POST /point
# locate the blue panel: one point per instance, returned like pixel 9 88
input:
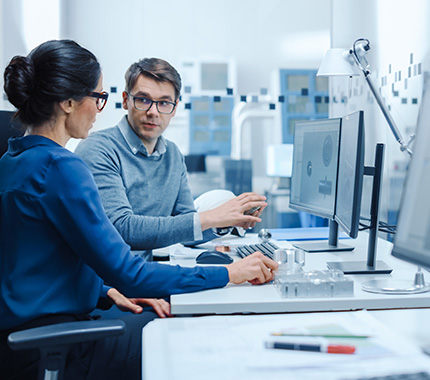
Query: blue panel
pixel 290 101
pixel 210 125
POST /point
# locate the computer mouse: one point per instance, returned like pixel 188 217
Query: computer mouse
pixel 213 257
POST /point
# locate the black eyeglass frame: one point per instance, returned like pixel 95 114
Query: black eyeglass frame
pixel 100 95
pixel 134 97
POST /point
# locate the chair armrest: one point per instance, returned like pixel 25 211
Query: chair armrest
pixel 65 333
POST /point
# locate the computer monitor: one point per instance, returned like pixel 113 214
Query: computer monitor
pixel 315 163
pixel 315 175
pixel 350 173
pixel 412 239
pixel 9 127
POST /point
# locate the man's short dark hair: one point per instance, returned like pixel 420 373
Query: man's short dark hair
pixel 156 69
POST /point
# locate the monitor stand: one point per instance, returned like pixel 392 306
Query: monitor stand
pixel 325 246
pixel 371 266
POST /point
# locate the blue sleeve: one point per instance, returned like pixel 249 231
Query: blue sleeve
pixel 139 231
pixel 104 290
pixel 73 206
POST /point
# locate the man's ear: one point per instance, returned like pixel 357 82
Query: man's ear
pixel 124 100
pixel 67 106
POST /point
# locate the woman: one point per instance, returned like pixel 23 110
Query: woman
pixel 57 246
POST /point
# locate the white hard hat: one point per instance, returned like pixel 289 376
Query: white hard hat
pixel 211 199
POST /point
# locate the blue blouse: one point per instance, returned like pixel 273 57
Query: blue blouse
pixel 56 243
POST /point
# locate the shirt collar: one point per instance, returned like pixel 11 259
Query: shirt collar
pixel 19 144
pixel 136 145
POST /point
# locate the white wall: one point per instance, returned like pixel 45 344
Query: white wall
pixel 396 29
pixel 261 36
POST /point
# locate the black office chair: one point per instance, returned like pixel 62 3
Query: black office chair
pixel 9 127
pixel 54 341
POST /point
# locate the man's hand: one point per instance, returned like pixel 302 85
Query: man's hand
pixel 232 212
pixel 161 307
pixel 255 268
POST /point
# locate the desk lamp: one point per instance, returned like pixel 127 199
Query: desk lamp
pixel 341 62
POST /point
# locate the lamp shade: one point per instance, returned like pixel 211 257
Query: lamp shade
pixel 337 62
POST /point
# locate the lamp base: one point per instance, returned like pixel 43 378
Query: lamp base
pixel 398 286
pixel 394 287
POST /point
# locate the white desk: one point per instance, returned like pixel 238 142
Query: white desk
pixel 231 347
pixel 266 299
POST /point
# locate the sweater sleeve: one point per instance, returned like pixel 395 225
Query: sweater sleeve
pixel 139 231
pixel 74 207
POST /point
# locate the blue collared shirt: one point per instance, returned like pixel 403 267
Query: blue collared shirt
pixel 56 243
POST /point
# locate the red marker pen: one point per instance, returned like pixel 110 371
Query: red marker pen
pixel 328 348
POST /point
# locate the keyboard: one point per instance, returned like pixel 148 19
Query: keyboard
pixel 267 248
pixel 399 376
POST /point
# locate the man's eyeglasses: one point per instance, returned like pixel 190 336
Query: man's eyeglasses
pixel 144 104
pixel 101 97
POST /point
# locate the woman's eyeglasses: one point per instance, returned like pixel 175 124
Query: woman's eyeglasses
pixel 101 97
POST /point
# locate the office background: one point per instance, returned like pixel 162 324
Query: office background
pixel 260 41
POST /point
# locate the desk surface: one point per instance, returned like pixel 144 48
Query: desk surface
pixel 232 347
pixel 248 298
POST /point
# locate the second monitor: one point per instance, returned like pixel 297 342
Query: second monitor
pixel 327 180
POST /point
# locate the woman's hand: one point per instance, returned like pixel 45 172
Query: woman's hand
pixel 161 307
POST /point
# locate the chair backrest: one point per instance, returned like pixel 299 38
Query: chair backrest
pixel 9 127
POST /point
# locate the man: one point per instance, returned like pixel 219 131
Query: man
pixel 141 176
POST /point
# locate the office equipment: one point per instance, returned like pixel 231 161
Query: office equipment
pixel 329 348
pixel 315 284
pixel 412 242
pixel 54 340
pixel 328 179
pixel 9 127
pixel 213 257
pixel 266 248
pixel 349 190
pixel 339 62
pixel 315 175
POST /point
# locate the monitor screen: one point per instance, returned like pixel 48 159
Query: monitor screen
pixel 412 240
pixel 315 160
pixel 8 128
pixel 350 174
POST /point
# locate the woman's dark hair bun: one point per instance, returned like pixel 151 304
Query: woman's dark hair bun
pixel 19 81
pixel 54 71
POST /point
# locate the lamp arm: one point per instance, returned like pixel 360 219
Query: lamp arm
pixel 403 146
pixel 363 66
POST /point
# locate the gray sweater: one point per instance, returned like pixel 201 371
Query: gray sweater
pixel 146 197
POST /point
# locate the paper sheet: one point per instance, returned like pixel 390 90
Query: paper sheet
pixel 199 347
